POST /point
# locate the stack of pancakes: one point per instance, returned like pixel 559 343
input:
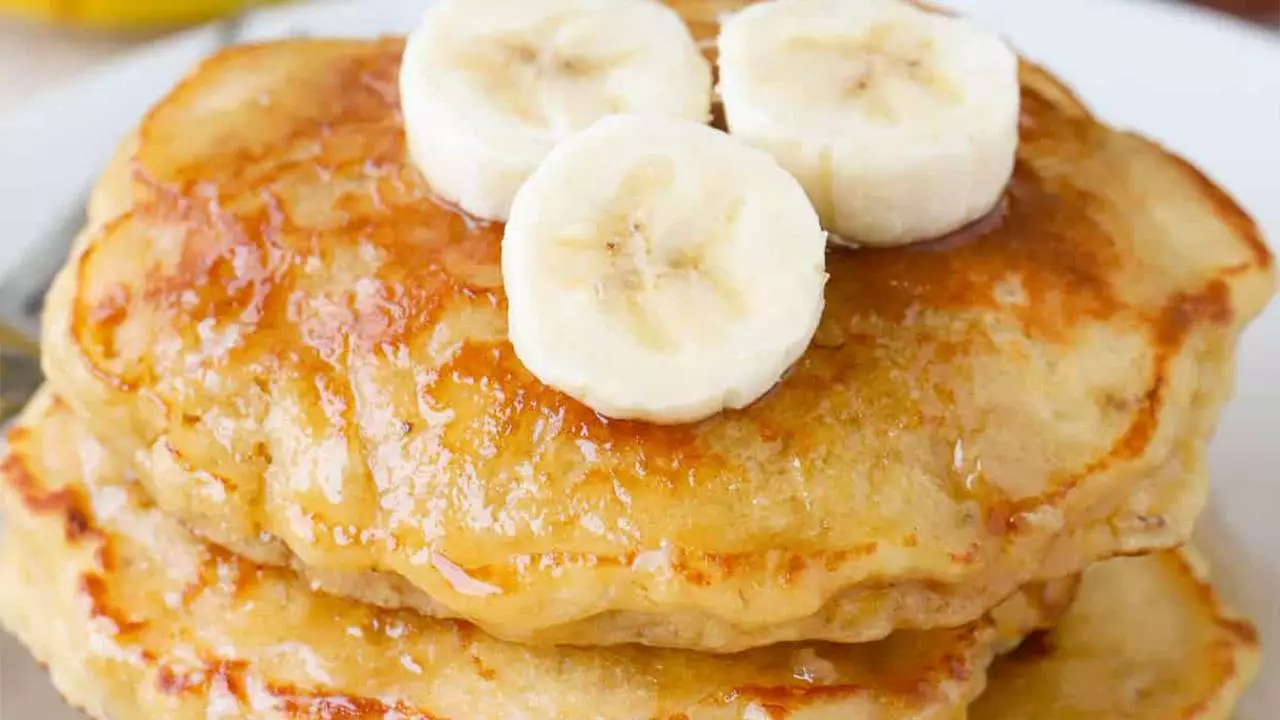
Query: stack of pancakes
pixel 288 465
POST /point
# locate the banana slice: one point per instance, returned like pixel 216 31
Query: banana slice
pixel 488 87
pixel 901 124
pixel 659 269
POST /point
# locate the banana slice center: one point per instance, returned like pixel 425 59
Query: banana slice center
pixel 545 76
pixel 900 123
pixel 656 262
pixel 891 73
pixel 658 269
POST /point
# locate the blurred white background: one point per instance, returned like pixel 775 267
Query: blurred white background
pixel 34 55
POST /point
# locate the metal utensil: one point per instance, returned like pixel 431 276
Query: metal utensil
pixel 22 293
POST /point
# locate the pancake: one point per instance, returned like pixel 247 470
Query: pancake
pixel 1146 639
pixel 306 357
pixel 138 619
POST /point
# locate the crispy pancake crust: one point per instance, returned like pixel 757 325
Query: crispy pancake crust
pixel 138 619
pixel 1146 639
pixel 306 355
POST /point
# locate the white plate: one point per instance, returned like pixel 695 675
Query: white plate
pixel 1204 85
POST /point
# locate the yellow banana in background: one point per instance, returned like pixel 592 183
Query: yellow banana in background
pixel 124 13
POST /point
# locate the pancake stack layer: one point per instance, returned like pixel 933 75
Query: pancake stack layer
pixel 288 465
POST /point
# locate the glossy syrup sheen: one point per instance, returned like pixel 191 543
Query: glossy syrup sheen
pixel 140 619
pixel 176 628
pixel 308 351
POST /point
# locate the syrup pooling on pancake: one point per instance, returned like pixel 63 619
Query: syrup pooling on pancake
pixel 1068 348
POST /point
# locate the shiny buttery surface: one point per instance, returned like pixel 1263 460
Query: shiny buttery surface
pixel 138 619
pixel 307 352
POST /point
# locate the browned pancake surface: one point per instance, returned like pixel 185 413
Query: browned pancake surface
pixel 138 619
pixel 307 356
pixel 1146 639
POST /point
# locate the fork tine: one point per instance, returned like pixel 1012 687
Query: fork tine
pixel 20 378
pixel 22 291
pixel 22 294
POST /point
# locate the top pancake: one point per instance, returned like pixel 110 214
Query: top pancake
pixel 307 355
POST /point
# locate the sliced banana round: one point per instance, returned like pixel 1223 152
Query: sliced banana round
pixel 488 87
pixel 902 124
pixel 659 269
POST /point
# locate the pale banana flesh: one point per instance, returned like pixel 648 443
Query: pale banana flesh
pixel 658 269
pixel 489 87
pixel 901 124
